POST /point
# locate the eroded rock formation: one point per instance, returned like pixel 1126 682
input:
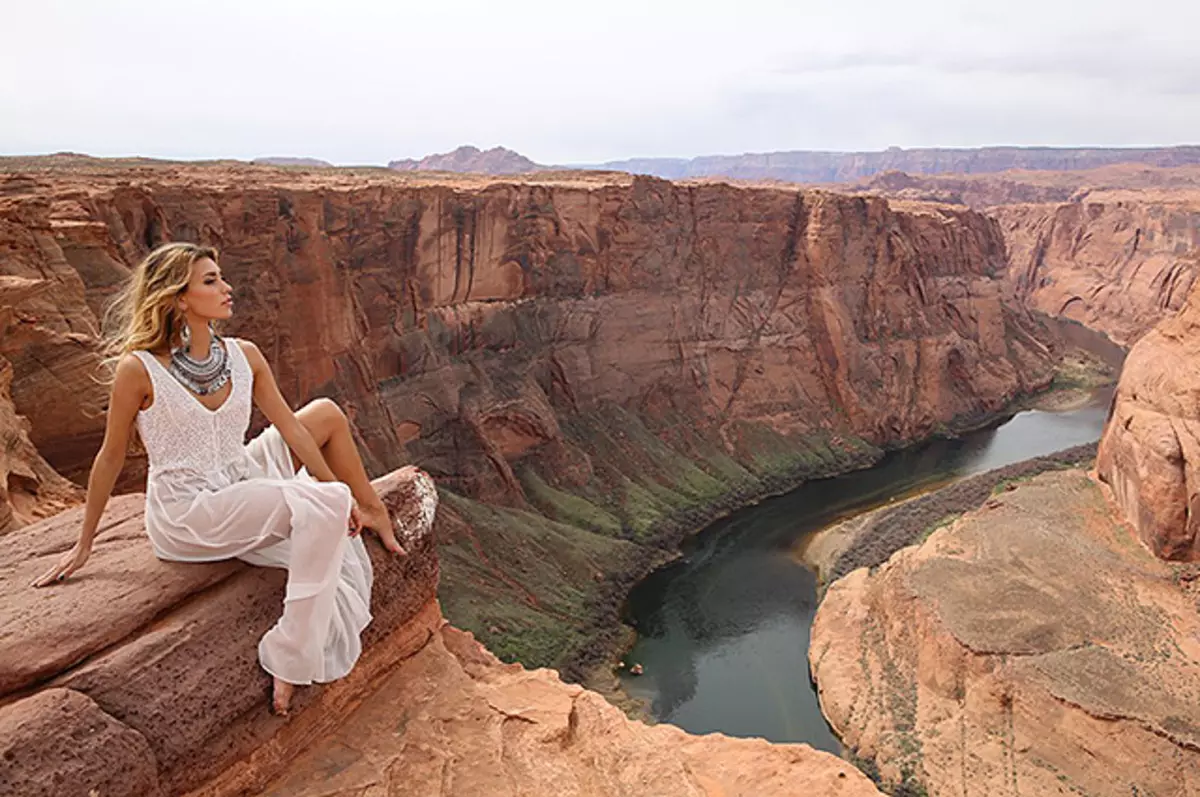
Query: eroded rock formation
pixel 139 677
pixel 1150 453
pixel 1030 647
pixel 623 356
pixel 1116 249
pixel 1116 261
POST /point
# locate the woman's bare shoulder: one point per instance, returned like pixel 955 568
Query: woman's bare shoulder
pixel 130 366
pixel 252 352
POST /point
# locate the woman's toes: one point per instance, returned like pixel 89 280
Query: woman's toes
pixel 281 700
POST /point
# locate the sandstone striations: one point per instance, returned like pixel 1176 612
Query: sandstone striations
pixel 139 677
pixel 1117 261
pixel 1116 248
pixel 590 366
pixel 1031 647
pixel 1150 453
pixel 29 487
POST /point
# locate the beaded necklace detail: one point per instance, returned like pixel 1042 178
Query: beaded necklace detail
pixel 205 376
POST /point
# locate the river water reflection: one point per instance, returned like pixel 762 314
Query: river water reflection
pixel 723 633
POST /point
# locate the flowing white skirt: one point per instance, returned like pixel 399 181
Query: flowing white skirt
pixel 262 511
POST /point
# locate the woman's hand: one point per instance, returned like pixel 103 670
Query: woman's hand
pixel 355 519
pixel 71 561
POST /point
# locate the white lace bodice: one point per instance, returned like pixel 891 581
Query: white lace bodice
pixel 186 440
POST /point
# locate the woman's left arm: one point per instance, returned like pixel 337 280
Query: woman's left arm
pixel 268 399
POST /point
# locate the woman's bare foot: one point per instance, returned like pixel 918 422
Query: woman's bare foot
pixel 377 519
pixel 281 699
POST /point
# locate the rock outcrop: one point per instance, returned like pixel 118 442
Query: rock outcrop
pixel 1030 647
pixel 29 488
pixel 591 364
pixel 1150 453
pixel 1118 261
pixel 468 725
pixel 139 677
pixel 154 664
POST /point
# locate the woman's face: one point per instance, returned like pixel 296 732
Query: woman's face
pixel 208 296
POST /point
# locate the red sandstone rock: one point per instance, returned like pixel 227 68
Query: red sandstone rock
pixel 1116 261
pixel 29 487
pixel 169 650
pixel 454 721
pixel 459 321
pixel 58 743
pixel 1031 647
pixel 1150 452
pixel 1115 248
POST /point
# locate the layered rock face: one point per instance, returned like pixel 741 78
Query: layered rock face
pixel 139 678
pixel 1116 261
pixel 530 301
pixel 624 357
pixel 1116 249
pixel 1150 453
pixel 29 488
pixel 1030 647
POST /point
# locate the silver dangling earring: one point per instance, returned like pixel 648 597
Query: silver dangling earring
pixel 185 335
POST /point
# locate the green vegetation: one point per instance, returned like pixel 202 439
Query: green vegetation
pixel 543 584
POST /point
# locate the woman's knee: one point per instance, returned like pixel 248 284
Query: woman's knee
pixel 323 417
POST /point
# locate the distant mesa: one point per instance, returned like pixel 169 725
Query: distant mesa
pixel 496 160
pixel 808 166
pixel 285 160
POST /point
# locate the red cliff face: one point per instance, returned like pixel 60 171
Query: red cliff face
pixel 1150 452
pixel 1116 249
pixel 1116 261
pixel 487 312
pixel 627 357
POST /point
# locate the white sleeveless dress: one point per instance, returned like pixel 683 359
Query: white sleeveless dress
pixel 211 496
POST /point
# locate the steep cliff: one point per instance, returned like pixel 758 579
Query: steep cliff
pixel 1116 248
pixel 1150 453
pixel 1116 260
pixel 589 366
pixel 138 678
pixel 1030 647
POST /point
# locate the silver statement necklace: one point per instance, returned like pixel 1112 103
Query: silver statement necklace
pixel 200 376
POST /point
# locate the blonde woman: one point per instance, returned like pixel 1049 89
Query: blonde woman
pixel 209 495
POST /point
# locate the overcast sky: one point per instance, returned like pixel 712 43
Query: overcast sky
pixel 354 81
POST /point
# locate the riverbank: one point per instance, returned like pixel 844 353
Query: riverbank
pixel 870 539
pixel 551 589
pixel 739 602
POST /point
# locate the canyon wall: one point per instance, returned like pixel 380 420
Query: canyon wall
pixel 1117 261
pixel 1150 452
pixel 1030 646
pixel 1116 249
pixel 587 366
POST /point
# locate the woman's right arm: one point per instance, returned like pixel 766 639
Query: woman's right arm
pixel 130 388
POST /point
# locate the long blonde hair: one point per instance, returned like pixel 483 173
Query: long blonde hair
pixel 144 314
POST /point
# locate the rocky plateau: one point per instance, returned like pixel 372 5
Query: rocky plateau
pixel 1040 644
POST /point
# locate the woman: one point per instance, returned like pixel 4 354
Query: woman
pixel 209 495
